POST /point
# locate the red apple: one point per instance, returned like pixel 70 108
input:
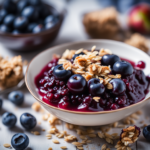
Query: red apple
pixel 139 18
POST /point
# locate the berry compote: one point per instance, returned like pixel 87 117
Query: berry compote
pixel 67 90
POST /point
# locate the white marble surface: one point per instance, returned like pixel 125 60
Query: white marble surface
pixel 72 30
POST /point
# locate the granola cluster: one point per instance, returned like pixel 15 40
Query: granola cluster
pixel 102 24
pixel 128 136
pixel 11 71
pixel 89 65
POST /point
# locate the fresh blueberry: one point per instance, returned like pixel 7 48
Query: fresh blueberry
pixel 4 29
pixel 43 10
pixel 31 13
pixel 20 23
pixel 60 73
pixel 146 132
pixel 95 87
pixel 16 32
pixel 28 121
pixel 38 28
pixel 9 20
pixel 20 141
pixel 118 86
pixel 1 103
pixel 3 14
pixel 22 4
pixel 16 97
pixel 76 84
pixel 9 119
pixel 49 18
pixel 49 25
pixel 122 67
pixel 9 6
pixel 30 27
pixel 35 2
pixel 109 60
pixel 77 55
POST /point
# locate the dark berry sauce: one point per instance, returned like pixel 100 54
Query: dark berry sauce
pixel 56 93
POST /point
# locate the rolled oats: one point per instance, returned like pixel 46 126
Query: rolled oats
pixel 7 145
pixel 36 106
pixel 55 141
pixel 63 147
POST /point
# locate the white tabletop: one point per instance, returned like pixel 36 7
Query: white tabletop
pixel 72 30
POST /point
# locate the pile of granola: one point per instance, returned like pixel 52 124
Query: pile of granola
pixel 11 71
pixel 89 65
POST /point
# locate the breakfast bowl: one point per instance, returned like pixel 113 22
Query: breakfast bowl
pixel 20 31
pixel 86 118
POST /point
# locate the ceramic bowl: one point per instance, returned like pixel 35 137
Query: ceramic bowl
pixel 30 41
pixel 87 118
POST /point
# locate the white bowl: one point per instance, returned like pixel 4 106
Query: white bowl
pixel 87 118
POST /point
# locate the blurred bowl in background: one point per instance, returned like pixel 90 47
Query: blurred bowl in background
pixel 33 41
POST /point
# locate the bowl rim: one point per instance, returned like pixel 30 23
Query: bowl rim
pixel 80 112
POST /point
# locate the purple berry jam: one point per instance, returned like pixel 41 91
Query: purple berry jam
pixel 63 89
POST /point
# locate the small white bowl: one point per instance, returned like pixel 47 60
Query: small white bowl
pixel 87 118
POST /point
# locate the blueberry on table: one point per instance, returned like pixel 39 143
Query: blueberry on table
pixel 9 20
pixel 9 6
pixel 9 119
pixel 109 60
pixel 28 121
pixel 35 2
pixel 38 28
pixel 146 132
pixel 49 18
pixel 95 87
pixel 76 55
pixel 16 97
pixel 4 29
pixel 49 25
pixel 123 67
pixel 60 73
pixel 22 4
pixel 118 86
pixel 21 23
pixel 1 103
pixel 31 13
pixel 30 27
pixel 20 141
pixel 77 84
pixel 3 14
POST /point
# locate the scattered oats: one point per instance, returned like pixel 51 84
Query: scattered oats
pixel 50 148
pixel 91 135
pixel 108 140
pixel 36 132
pixel 88 141
pixel 90 130
pixel 36 106
pixel 80 148
pixel 142 121
pixel 108 129
pixel 7 145
pixel 52 119
pixel 55 141
pixel 63 147
pixel 115 124
pixel 53 130
pixel 70 138
pixel 83 137
pixel 139 112
pixel 103 147
pixel 132 121
pixel 121 126
pixel 128 148
pixel 107 148
pixel 42 111
pixel 108 136
pixel 84 142
pixel 101 135
pixel 43 130
pixel 45 117
pixel 77 144
pixel 134 116
pixel 49 136
pixel 93 48
pixel 96 99
pixel 69 126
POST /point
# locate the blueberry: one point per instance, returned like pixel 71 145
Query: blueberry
pixel 4 29
pixel 49 25
pixel 1 103
pixel 9 6
pixel 118 86
pixel 76 84
pixel 122 67
pixel 60 73
pixel 38 28
pixel 20 141
pixel 77 55
pixel 35 2
pixel 9 119
pixel 146 132
pixel 31 13
pixel 16 97
pixel 3 14
pixel 43 10
pixel 9 20
pixel 22 4
pixel 109 60
pixel 28 121
pixel 20 23
pixel 95 87
pixel 16 32
pixel 30 27
pixel 49 18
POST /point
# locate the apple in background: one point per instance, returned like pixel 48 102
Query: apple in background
pixel 139 18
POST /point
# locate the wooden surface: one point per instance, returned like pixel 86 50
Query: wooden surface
pixel 72 30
